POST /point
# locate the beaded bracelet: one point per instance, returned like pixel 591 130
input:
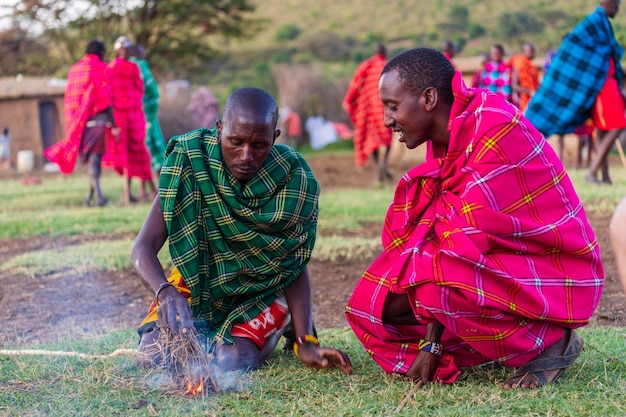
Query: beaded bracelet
pixel 301 340
pixel 430 347
pixel 161 287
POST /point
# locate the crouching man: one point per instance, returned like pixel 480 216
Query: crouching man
pixel 240 214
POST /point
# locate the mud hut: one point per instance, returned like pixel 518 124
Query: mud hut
pixel 32 109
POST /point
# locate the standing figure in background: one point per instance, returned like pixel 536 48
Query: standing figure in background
pixel 496 77
pixel 291 126
pixel 366 113
pixel 88 119
pixel 448 50
pixel 154 136
pixel 5 150
pixel 204 108
pixel 525 80
pixel 583 81
pixel 131 158
pixel 584 132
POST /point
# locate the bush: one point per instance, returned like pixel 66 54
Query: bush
pixel 287 32
pixel 328 46
pixel 513 25
pixel 476 30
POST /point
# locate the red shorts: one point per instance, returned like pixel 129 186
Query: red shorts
pixel 263 326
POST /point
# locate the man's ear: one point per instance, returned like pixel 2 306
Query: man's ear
pixel 218 125
pixel 431 96
pixel 276 134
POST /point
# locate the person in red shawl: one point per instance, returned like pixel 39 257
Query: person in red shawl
pixel 366 113
pixel 488 257
pixel 88 119
pixel 525 80
pixel 130 157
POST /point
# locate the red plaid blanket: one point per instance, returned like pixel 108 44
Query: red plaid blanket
pixel 86 93
pixel 363 105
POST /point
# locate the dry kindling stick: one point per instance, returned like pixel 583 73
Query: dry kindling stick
pixel 409 395
pixel 116 352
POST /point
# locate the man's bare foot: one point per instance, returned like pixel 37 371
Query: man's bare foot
pixel 592 180
pixel 549 365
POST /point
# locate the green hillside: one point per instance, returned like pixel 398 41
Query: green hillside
pixel 403 22
pixel 323 32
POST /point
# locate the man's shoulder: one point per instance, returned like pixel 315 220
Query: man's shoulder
pixel 195 137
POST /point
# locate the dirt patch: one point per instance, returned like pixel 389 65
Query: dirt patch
pixel 64 302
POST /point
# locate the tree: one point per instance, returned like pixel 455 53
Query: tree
pixel 514 25
pixel 459 18
pixel 173 32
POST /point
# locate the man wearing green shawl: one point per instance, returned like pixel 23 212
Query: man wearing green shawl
pixel 240 214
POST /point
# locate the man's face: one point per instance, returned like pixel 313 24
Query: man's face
pixel 404 112
pixel 529 51
pixel 613 8
pixel 496 54
pixel 246 139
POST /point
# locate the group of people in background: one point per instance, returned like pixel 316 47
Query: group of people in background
pixel 580 91
pixel 111 121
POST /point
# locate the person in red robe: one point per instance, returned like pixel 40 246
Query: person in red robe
pixel 88 119
pixel 525 76
pixel 487 254
pixel 362 104
pixel 130 156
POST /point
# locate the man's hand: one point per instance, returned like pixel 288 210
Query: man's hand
pixel 423 367
pixel 174 311
pixel 320 357
pixel 116 133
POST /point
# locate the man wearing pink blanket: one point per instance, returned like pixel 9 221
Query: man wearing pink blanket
pixel 487 256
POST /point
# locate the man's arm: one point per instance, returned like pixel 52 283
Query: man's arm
pixel 298 296
pixel 174 311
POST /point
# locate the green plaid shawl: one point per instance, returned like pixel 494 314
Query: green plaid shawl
pixel 237 245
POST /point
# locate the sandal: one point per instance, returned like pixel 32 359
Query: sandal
pixel 537 367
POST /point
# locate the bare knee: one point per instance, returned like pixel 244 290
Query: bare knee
pixel 242 355
pixel 148 353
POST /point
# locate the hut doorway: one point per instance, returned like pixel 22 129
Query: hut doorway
pixel 49 123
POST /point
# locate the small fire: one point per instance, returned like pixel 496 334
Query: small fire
pixel 195 389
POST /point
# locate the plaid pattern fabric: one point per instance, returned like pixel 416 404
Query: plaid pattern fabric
pixel 155 142
pixel 363 105
pixel 527 75
pixel 489 239
pixel 575 76
pixel 86 93
pixel 237 245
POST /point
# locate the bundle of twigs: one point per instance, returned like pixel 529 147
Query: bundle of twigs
pixel 187 363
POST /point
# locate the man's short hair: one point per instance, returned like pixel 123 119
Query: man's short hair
pixel 420 68
pixel 96 47
pixel 251 97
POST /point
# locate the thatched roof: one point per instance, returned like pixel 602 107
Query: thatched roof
pixel 12 88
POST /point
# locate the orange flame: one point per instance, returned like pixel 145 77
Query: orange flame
pixel 195 389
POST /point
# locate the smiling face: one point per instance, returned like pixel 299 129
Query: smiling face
pixel 405 112
pixel 246 139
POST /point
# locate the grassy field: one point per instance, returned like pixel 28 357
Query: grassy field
pixel 35 385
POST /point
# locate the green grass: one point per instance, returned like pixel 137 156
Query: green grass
pixel 64 386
